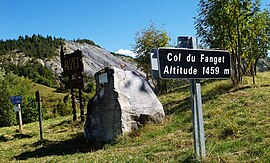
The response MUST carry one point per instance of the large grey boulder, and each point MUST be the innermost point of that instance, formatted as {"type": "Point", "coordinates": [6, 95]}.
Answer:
{"type": "Point", "coordinates": [124, 101]}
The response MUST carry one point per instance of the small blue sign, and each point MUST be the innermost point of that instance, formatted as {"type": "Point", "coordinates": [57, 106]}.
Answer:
{"type": "Point", "coordinates": [16, 100]}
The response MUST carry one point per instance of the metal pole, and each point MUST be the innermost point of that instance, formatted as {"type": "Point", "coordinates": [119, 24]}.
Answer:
{"type": "Point", "coordinates": [200, 118]}
{"type": "Point", "coordinates": [196, 103]}
{"type": "Point", "coordinates": [20, 117]}
{"type": "Point", "coordinates": [194, 117]}
{"type": "Point", "coordinates": [40, 115]}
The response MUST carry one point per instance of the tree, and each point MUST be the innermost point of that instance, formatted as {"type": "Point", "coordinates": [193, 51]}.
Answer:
{"type": "Point", "coordinates": [2, 73]}
{"type": "Point", "coordinates": [229, 24]}
{"type": "Point", "coordinates": [257, 34]}
{"type": "Point", "coordinates": [145, 40]}
{"type": "Point", "coordinates": [12, 85]}
{"type": "Point", "coordinates": [33, 46]}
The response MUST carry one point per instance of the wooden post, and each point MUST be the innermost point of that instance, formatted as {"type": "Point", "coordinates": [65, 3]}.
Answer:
{"type": "Point", "coordinates": [40, 115]}
{"type": "Point", "coordinates": [72, 65]}
{"type": "Point", "coordinates": [73, 103]}
{"type": "Point", "coordinates": [81, 105]}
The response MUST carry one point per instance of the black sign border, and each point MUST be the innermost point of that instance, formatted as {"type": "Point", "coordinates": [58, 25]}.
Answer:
{"type": "Point", "coordinates": [207, 50]}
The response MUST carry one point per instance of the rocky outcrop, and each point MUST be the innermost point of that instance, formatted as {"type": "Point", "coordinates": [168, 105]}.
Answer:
{"type": "Point", "coordinates": [94, 59]}
{"type": "Point", "coordinates": [124, 101]}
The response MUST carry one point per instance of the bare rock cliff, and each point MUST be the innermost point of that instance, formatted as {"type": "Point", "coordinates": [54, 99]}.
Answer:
{"type": "Point", "coordinates": [94, 59]}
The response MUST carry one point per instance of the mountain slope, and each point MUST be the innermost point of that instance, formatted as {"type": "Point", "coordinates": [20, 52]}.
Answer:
{"type": "Point", "coordinates": [236, 130]}
{"type": "Point", "coordinates": [94, 59]}
{"type": "Point", "coordinates": [27, 56]}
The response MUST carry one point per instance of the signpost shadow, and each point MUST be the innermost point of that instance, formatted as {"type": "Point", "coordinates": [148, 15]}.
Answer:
{"type": "Point", "coordinates": [59, 148]}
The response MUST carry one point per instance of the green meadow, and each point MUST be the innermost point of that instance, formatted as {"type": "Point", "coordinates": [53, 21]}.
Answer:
{"type": "Point", "coordinates": [236, 122]}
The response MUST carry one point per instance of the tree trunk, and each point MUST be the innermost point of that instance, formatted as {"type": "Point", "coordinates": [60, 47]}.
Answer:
{"type": "Point", "coordinates": [239, 74]}
{"type": "Point", "coordinates": [234, 76]}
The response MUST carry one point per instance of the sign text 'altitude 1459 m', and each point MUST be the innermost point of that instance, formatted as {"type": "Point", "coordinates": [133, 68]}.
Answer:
{"type": "Point", "coordinates": [193, 63]}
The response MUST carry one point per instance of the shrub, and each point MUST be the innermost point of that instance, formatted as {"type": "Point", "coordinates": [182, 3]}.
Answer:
{"type": "Point", "coordinates": [63, 108]}
{"type": "Point", "coordinates": [90, 87]}
{"type": "Point", "coordinates": [29, 110]}
{"type": "Point", "coordinates": [11, 85]}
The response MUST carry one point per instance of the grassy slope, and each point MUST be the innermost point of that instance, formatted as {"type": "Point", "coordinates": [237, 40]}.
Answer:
{"type": "Point", "coordinates": [47, 93]}
{"type": "Point", "coordinates": [236, 130]}
{"type": "Point", "coordinates": [49, 98]}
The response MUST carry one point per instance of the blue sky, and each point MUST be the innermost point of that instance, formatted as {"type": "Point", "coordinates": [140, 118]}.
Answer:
{"type": "Point", "coordinates": [112, 23]}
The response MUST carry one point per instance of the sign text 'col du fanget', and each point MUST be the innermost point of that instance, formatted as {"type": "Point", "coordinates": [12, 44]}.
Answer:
{"type": "Point", "coordinates": [194, 63]}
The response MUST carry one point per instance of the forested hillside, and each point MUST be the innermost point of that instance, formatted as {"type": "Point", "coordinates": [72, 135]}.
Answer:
{"type": "Point", "coordinates": [21, 68]}
{"type": "Point", "coordinates": [29, 60]}
{"type": "Point", "coordinates": [32, 46]}
{"type": "Point", "coordinates": [25, 56]}
{"type": "Point", "coordinates": [21, 57]}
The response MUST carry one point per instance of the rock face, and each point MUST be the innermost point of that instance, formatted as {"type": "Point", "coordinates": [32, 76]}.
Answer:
{"type": "Point", "coordinates": [123, 101]}
{"type": "Point", "coordinates": [94, 59]}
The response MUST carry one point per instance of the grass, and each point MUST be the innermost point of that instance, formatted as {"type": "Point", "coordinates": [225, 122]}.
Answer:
{"type": "Point", "coordinates": [49, 97]}
{"type": "Point", "coordinates": [236, 122]}
{"type": "Point", "coordinates": [48, 94]}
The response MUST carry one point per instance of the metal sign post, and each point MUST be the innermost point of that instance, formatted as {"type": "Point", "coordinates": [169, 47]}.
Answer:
{"type": "Point", "coordinates": [20, 117]}
{"type": "Point", "coordinates": [154, 67]}
{"type": "Point", "coordinates": [194, 64]}
{"type": "Point", "coordinates": [196, 103]}
{"type": "Point", "coordinates": [154, 64]}
{"type": "Point", "coordinates": [17, 100]}
{"type": "Point", "coordinates": [194, 117]}
{"type": "Point", "coordinates": [197, 118]}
